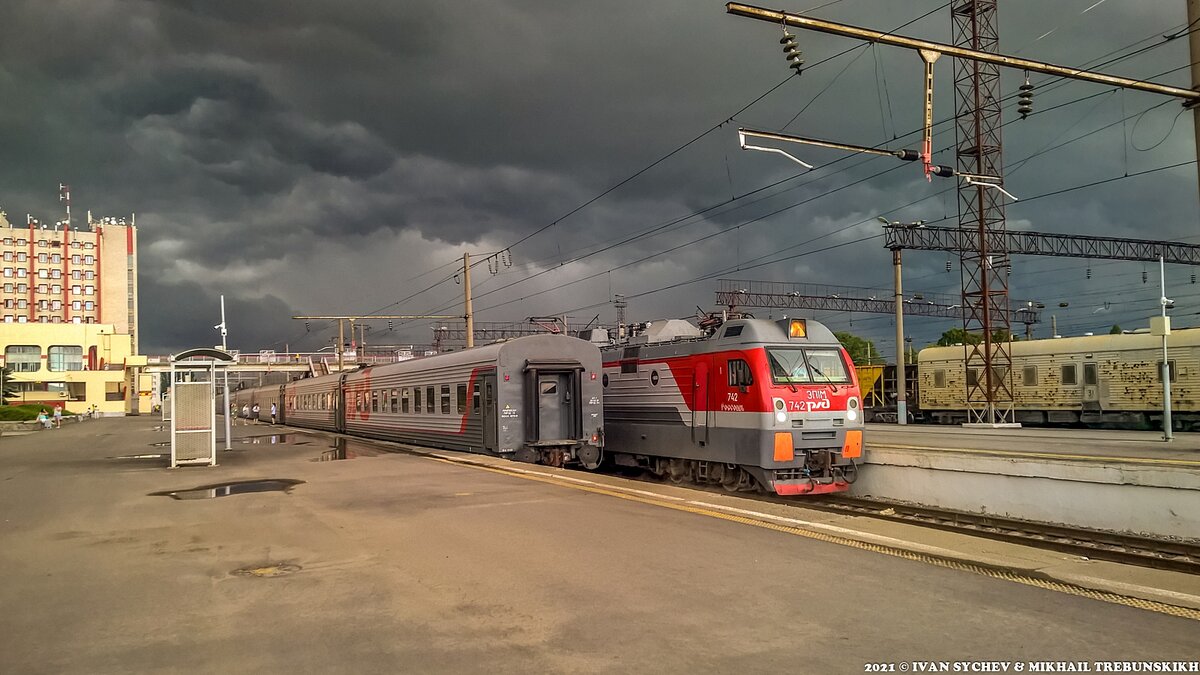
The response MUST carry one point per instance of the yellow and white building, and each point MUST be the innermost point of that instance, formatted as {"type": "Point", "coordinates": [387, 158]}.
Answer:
{"type": "Point", "coordinates": [68, 315]}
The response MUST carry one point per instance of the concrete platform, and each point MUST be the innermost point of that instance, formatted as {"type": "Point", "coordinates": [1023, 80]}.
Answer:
{"type": "Point", "coordinates": [1122, 481]}
{"type": "Point", "coordinates": [450, 563]}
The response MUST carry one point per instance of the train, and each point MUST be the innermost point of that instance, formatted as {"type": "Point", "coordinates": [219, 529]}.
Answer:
{"type": "Point", "coordinates": [744, 403]}
{"type": "Point", "coordinates": [534, 399]}
{"type": "Point", "coordinates": [1104, 381]}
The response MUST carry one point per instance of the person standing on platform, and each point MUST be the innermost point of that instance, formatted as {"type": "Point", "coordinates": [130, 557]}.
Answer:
{"type": "Point", "coordinates": [58, 415]}
{"type": "Point", "coordinates": [274, 410]}
{"type": "Point", "coordinates": [246, 412]}
{"type": "Point", "coordinates": [254, 413]}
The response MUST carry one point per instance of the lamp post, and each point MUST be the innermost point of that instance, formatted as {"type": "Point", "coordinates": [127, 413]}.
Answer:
{"type": "Point", "coordinates": [901, 384]}
{"type": "Point", "coordinates": [1163, 327]}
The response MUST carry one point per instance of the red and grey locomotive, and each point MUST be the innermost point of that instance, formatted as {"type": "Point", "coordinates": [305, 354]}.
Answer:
{"type": "Point", "coordinates": [753, 401]}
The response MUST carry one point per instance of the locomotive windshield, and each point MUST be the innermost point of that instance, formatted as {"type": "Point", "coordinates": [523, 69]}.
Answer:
{"type": "Point", "coordinates": [804, 366]}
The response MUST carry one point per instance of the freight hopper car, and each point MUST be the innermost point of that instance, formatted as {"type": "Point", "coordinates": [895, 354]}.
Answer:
{"type": "Point", "coordinates": [773, 404]}
{"type": "Point", "coordinates": [1098, 380]}
{"type": "Point", "coordinates": [534, 399]}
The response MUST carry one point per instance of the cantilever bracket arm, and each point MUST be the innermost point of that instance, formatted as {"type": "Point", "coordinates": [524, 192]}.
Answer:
{"type": "Point", "coordinates": [987, 182]}
{"type": "Point", "coordinates": [903, 154]}
{"type": "Point", "coordinates": [742, 142]}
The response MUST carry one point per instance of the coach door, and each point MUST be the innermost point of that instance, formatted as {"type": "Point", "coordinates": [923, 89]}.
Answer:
{"type": "Point", "coordinates": [339, 403]}
{"type": "Point", "coordinates": [488, 412]}
{"type": "Point", "coordinates": [700, 403]}
{"type": "Point", "coordinates": [1091, 386]}
{"type": "Point", "coordinates": [555, 397]}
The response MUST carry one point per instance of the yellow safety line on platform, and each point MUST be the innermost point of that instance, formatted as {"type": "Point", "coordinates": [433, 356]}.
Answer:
{"type": "Point", "coordinates": [948, 563]}
{"type": "Point", "coordinates": [1040, 455]}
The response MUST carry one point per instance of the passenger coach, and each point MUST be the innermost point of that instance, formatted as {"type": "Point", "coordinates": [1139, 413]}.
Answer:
{"type": "Point", "coordinates": [534, 399]}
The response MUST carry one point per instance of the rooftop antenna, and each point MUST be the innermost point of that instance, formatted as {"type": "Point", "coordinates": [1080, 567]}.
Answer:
{"type": "Point", "coordinates": [64, 195]}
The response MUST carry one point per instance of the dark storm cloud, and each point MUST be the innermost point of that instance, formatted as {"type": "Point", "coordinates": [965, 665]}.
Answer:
{"type": "Point", "coordinates": [326, 156]}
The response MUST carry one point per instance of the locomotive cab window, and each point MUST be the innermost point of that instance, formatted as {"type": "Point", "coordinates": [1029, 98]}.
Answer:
{"type": "Point", "coordinates": [739, 373]}
{"type": "Point", "coordinates": [1069, 376]}
{"type": "Point", "coordinates": [827, 366]}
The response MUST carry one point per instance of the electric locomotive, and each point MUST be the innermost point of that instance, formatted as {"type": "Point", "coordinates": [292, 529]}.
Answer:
{"type": "Point", "coordinates": [750, 402]}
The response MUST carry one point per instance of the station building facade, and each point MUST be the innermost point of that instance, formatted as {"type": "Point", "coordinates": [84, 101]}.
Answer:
{"type": "Point", "coordinates": [68, 315]}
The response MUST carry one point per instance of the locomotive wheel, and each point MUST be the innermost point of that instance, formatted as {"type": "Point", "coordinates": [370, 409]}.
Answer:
{"type": "Point", "coordinates": [677, 470]}
{"type": "Point", "coordinates": [732, 478]}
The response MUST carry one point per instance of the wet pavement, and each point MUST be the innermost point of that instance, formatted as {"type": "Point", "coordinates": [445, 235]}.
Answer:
{"type": "Point", "coordinates": [402, 563]}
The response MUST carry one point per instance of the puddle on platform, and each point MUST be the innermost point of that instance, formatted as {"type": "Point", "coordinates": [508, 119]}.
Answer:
{"type": "Point", "coordinates": [157, 455]}
{"type": "Point", "coordinates": [275, 439]}
{"type": "Point", "coordinates": [234, 488]}
{"type": "Point", "coordinates": [267, 571]}
{"type": "Point", "coordinates": [348, 448]}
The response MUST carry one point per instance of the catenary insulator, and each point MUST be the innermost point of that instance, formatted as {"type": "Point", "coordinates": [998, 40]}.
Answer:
{"type": "Point", "coordinates": [947, 265]}
{"type": "Point", "coordinates": [1143, 276]}
{"type": "Point", "coordinates": [1089, 273]}
{"type": "Point", "coordinates": [1025, 99]}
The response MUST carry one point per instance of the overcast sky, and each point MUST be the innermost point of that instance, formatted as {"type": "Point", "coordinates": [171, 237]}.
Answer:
{"type": "Point", "coordinates": [307, 157]}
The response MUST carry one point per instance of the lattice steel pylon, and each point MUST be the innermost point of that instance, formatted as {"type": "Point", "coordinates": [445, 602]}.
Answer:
{"type": "Point", "coordinates": [984, 272]}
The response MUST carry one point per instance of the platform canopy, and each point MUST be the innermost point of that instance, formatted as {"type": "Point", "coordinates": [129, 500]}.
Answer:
{"type": "Point", "coordinates": [203, 353]}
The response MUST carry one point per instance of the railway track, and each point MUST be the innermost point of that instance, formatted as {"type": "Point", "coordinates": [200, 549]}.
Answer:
{"type": "Point", "coordinates": [1164, 554]}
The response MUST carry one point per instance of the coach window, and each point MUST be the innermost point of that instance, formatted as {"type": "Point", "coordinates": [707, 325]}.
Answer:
{"type": "Point", "coordinates": [475, 398]}
{"type": "Point", "coordinates": [939, 379]}
{"type": "Point", "coordinates": [1158, 370]}
{"type": "Point", "coordinates": [462, 399]}
{"type": "Point", "coordinates": [739, 373]}
{"type": "Point", "coordinates": [972, 377]}
{"type": "Point", "coordinates": [404, 400]}
{"type": "Point", "coordinates": [1029, 376]}
{"type": "Point", "coordinates": [358, 402]}
{"type": "Point", "coordinates": [445, 399]}
{"type": "Point", "coordinates": [1068, 374]}
{"type": "Point", "coordinates": [375, 401]}
{"type": "Point", "coordinates": [430, 405]}
{"type": "Point", "coordinates": [416, 399]}
{"type": "Point", "coordinates": [395, 400]}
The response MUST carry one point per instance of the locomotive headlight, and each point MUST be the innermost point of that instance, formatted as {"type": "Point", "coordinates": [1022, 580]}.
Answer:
{"type": "Point", "coordinates": [852, 409]}
{"type": "Point", "coordinates": [780, 411]}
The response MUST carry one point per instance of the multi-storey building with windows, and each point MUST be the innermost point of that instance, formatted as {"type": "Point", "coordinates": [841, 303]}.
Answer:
{"type": "Point", "coordinates": [68, 313]}
{"type": "Point", "coordinates": [68, 275]}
